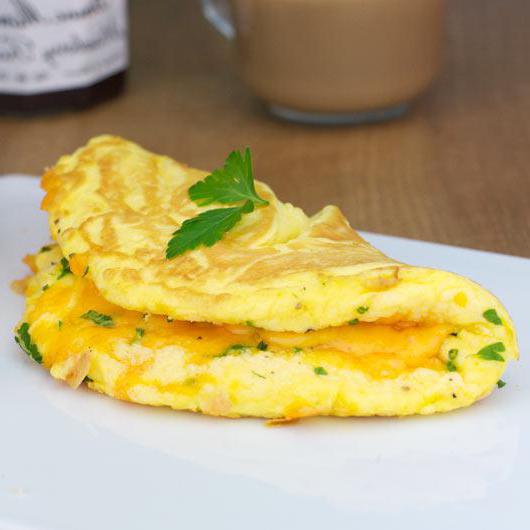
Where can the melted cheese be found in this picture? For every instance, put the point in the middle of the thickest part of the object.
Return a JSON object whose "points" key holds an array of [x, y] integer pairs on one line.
{"points": [[78, 264], [381, 350]]}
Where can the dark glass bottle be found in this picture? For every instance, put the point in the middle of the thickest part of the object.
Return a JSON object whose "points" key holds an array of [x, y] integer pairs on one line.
{"points": [[58, 54]]}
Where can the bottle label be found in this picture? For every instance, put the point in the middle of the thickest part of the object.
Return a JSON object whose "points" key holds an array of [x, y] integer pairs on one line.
{"points": [[52, 45]]}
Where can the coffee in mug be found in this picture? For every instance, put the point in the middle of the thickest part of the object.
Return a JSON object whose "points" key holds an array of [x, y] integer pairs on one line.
{"points": [[334, 61]]}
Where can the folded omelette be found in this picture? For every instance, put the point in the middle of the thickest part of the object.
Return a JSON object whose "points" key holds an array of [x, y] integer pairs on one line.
{"points": [[286, 316]]}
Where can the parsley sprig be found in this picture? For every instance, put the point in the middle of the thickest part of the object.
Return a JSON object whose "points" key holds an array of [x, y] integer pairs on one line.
{"points": [[231, 184]]}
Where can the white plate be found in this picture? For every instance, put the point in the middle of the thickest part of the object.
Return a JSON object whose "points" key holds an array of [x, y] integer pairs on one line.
{"points": [[78, 460]]}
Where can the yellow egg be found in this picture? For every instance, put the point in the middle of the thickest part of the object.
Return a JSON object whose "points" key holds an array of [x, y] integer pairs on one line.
{"points": [[287, 316]]}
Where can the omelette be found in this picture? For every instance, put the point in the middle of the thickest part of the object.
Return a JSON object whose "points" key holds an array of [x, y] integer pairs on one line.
{"points": [[283, 316]]}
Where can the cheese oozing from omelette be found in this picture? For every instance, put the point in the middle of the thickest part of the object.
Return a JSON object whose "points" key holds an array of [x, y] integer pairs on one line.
{"points": [[384, 367]]}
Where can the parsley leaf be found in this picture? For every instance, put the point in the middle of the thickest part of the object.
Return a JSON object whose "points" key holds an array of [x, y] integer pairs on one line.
{"points": [[233, 349], [233, 183], [99, 319], [23, 339], [319, 370], [205, 229], [451, 366], [262, 345], [353, 321], [492, 352], [501, 383], [491, 316], [138, 334], [65, 268], [453, 353], [362, 309]]}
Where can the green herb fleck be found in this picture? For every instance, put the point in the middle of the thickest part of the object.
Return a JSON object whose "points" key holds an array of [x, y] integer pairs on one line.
{"points": [[297, 350], [59, 324], [492, 352], [105, 321], [362, 309], [45, 248], [353, 321], [250, 324], [23, 339], [258, 375], [65, 268], [45, 287], [138, 334], [234, 183], [87, 379], [453, 354], [262, 345], [319, 370], [234, 349], [451, 366], [501, 383], [491, 316]]}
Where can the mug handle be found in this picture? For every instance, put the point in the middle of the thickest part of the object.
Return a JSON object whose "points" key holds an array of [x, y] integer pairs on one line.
{"points": [[217, 12]]}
